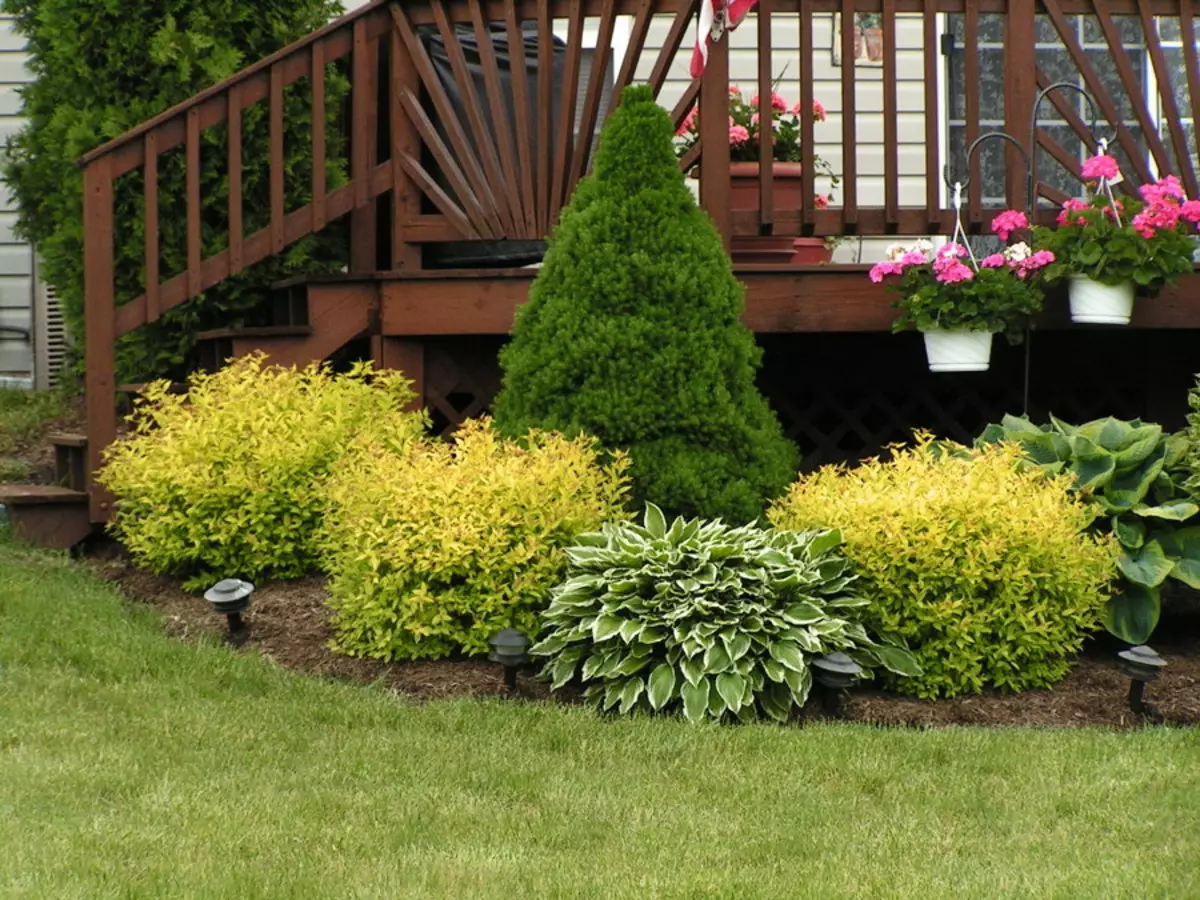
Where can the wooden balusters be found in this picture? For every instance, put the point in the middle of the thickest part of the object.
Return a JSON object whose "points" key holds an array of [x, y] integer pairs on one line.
{"points": [[317, 83], [933, 163], [714, 133], [194, 217], [971, 86], [891, 132], [766, 116], [275, 116], [150, 175], [807, 145], [849, 123], [236, 228]]}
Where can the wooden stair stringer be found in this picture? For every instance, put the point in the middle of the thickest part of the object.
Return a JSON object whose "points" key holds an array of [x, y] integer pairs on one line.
{"points": [[337, 314]]}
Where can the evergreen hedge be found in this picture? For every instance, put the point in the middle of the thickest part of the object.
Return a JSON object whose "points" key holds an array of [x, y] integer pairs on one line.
{"points": [[103, 67], [632, 334]]}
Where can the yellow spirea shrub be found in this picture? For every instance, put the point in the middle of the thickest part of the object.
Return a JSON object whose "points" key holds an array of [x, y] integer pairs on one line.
{"points": [[433, 550], [984, 569], [227, 479]]}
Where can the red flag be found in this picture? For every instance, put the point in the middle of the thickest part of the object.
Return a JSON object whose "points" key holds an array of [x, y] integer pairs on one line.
{"points": [[716, 17]]}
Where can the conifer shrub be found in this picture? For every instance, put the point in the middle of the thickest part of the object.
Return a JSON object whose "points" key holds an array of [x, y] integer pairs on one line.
{"points": [[982, 565], [101, 68], [227, 479], [434, 548], [632, 334]]}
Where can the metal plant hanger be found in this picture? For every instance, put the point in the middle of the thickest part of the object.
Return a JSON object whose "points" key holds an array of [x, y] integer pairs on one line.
{"points": [[1029, 156]]}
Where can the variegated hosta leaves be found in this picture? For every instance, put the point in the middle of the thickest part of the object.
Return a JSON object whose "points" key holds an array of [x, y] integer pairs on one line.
{"points": [[704, 618]]}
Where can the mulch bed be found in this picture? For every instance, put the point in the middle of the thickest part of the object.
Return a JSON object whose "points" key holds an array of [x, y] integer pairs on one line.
{"points": [[290, 625]]}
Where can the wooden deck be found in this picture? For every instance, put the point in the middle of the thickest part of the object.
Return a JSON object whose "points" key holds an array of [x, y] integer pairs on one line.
{"points": [[486, 157], [779, 300]]}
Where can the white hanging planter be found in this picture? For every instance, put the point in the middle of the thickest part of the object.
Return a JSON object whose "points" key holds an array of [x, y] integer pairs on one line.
{"points": [[958, 351], [1100, 304]]}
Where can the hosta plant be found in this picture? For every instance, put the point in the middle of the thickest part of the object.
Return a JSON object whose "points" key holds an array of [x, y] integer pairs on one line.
{"points": [[699, 616], [1130, 471]]}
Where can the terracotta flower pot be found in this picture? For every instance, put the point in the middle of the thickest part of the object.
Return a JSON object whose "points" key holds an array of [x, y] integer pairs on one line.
{"points": [[787, 193]]}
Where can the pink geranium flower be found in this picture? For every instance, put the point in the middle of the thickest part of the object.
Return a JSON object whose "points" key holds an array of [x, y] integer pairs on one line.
{"points": [[1100, 166], [881, 270], [821, 201], [1165, 191], [1008, 222], [688, 123], [738, 134], [1073, 205], [818, 110], [995, 261], [954, 273], [913, 258], [1191, 211], [777, 102]]}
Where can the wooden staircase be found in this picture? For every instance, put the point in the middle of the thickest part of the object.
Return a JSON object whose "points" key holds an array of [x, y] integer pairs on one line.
{"points": [[54, 516]]}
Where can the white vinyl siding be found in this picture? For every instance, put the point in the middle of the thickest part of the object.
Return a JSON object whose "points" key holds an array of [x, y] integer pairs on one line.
{"points": [[16, 258]]}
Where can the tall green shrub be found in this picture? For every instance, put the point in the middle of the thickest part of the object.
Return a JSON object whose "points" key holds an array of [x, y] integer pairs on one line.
{"points": [[632, 334], [101, 68]]}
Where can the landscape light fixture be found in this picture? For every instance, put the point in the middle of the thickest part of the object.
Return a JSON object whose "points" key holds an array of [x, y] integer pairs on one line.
{"points": [[508, 649], [1141, 664], [230, 598], [835, 673]]}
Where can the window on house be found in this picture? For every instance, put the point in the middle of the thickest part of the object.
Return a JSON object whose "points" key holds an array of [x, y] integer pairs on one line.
{"points": [[1053, 58]]}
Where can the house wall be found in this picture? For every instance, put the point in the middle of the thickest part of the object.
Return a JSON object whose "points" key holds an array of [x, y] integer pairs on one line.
{"points": [[16, 257]]}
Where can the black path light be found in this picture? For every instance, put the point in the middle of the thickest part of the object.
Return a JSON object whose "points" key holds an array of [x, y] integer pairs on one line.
{"points": [[835, 673], [230, 598], [1141, 664], [509, 649]]}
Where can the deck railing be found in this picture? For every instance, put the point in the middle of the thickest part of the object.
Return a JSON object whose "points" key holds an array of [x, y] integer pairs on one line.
{"points": [[480, 146]]}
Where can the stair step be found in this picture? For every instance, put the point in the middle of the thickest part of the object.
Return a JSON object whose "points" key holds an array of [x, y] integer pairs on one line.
{"points": [[268, 331], [177, 387], [39, 494], [67, 439]]}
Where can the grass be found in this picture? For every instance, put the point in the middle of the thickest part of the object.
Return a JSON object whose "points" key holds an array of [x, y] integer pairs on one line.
{"points": [[23, 416], [134, 766]]}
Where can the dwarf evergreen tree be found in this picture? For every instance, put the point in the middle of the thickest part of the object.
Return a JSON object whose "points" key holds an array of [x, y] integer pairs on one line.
{"points": [[102, 67], [632, 333]]}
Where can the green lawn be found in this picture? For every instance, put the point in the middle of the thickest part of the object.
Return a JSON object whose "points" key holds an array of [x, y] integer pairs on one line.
{"points": [[134, 766]]}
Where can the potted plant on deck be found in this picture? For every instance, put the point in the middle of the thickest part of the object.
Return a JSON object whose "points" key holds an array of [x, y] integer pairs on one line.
{"points": [[787, 173], [958, 303], [1110, 250]]}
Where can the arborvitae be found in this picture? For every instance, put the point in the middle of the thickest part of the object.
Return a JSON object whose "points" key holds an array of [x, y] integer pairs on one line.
{"points": [[102, 67], [632, 333]]}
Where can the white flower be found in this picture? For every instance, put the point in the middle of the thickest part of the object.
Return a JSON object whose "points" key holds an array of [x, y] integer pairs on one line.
{"points": [[1018, 252], [896, 252]]}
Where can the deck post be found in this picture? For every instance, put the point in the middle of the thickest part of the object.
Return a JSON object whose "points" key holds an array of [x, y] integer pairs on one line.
{"points": [[1020, 93], [405, 354], [99, 325], [714, 138], [364, 138]]}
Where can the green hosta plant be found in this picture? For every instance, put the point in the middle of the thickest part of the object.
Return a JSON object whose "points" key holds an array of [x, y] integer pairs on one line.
{"points": [[699, 616], [1130, 471]]}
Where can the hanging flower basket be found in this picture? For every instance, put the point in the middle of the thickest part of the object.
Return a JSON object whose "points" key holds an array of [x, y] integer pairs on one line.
{"points": [[1111, 249], [958, 351], [1094, 303], [957, 302]]}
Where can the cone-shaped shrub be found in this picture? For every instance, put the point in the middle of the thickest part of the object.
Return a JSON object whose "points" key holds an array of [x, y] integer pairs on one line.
{"points": [[632, 334]]}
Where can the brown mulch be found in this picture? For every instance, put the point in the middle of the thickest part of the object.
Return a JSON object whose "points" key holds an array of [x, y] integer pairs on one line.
{"points": [[290, 625]]}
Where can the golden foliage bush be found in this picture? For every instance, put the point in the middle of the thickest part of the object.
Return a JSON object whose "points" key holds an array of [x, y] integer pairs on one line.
{"points": [[983, 568], [226, 480], [433, 550]]}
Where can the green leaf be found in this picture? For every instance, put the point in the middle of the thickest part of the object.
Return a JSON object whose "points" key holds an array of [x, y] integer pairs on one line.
{"points": [[716, 659], [799, 683], [1133, 614], [1183, 546], [1092, 466], [693, 670], [630, 694], [605, 627], [731, 686], [824, 542], [789, 656], [803, 614], [561, 672], [737, 644], [630, 629], [1138, 452], [1018, 425], [655, 522], [1044, 448], [1175, 510], [772, 669], [1177, 448], [1131, 533], [661, 686], [1147, 566], [1127, 489], [898, 660]]}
